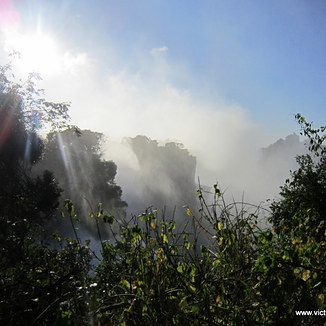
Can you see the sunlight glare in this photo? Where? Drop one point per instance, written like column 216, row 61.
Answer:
column 37, row 53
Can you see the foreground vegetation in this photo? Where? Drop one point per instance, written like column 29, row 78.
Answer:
column 223, row 266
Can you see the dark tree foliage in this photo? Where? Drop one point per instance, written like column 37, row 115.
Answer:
column 295, row 259
column 22, row 113
column 34, row 280
column 35, row 198
column 17, row 146
column 85, row 177
column 302, row 207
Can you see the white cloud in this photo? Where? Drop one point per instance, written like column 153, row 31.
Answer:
column 73, row 61
column 159, row 50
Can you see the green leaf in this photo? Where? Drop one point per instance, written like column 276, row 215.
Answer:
column 108, row 219
column 164, row 238
column 125, row 283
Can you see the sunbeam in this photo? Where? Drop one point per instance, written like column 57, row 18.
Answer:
column 65, row 155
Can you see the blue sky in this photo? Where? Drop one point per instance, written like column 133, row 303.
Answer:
column 266, row 57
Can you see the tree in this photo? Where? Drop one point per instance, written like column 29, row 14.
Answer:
column 302, row 207
column 292, row 258
column 85, row 177
column 35, row 280
column 35, row 112
column 35, row 198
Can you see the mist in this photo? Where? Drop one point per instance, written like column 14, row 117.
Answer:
column 221, row 135
column 254, row 177
column 137, row 174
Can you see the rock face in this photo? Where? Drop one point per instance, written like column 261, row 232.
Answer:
column 284, row 149
column 166, row 176
column 281, row 155
column 277, row 160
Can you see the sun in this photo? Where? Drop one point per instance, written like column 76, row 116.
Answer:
column 37, row 53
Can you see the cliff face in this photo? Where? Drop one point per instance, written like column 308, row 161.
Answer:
column 276, row 162
column 281, row 155
column 166, row 173
column 284, row 149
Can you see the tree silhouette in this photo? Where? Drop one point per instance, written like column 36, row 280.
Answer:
column 85, row 177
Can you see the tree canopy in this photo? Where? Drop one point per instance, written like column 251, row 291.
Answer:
column 85, row 177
